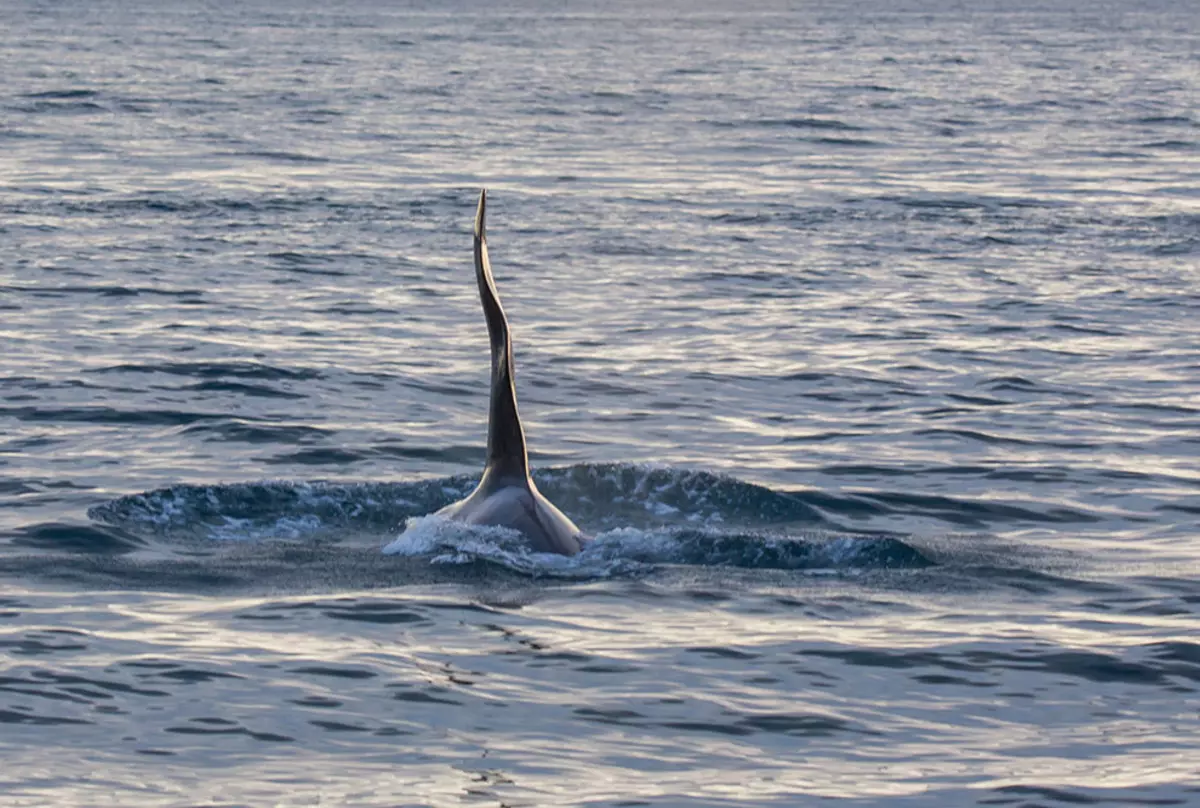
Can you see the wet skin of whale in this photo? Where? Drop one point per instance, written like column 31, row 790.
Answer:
column 506, row 495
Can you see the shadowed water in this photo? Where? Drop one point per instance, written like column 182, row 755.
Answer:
column 861, row 339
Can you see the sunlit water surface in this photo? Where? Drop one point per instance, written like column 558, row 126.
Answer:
column 862, row 337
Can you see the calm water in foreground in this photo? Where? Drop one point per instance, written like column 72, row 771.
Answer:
column 864, row 337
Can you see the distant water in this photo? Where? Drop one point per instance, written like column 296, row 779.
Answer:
column 865, row 338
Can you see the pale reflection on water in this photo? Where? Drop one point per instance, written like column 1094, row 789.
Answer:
column 598, row 692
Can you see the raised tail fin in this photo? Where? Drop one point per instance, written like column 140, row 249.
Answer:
column 506, row 438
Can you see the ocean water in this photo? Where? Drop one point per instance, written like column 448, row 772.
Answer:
column 864, row 338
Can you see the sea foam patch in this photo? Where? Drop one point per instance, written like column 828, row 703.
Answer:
column 629, row 550
column 445, row 541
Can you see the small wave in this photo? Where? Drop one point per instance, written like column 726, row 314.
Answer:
column 937, row 203
column 307, row 263
column 627, row 247
column 59, row 106
column 974, row 514
column 281, row 156
column 1166, row 120
column 72, row 538
column 252, row 390
column 741, row 218
column 326, row 456
column 107, row 415
column 1173, row 145
column 1148, row 665
column 61, row 94
column 1177, row 248
column 1002, row 440
column 843, row 141
column 248, row 432
column 216, row 370
column 809, row 123
column 102, row 290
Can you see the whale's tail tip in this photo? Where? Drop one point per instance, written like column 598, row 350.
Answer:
column 480, row 214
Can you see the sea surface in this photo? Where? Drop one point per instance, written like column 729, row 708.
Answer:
column 864, row 338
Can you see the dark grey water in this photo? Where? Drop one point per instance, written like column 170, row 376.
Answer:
column 863, row 337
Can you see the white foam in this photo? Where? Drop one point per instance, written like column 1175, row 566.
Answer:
column 449, row 542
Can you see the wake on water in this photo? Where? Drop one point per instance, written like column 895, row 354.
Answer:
column 641, row 518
